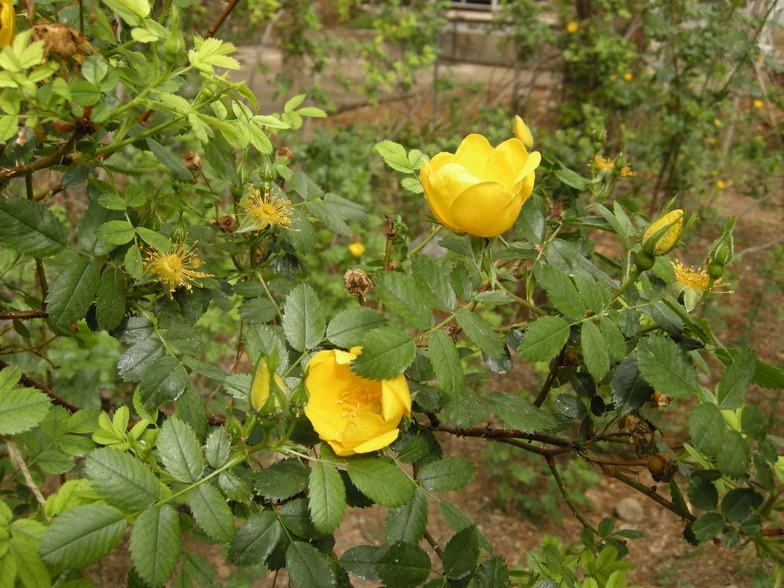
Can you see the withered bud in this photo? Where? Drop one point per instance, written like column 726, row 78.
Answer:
column 662, row 466
column 284, row 153
column 659, row 400
column 192, row 161
column 357, row 283
column 62, row 126
column 642, row 432
column 227, row 223
column 61, row 40
column 453, row 332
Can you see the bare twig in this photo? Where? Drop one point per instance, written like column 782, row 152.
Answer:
column 22, row 314
column 19, row 463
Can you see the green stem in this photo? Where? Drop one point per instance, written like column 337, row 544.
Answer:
column 630, row 280
column 565, row 494
column 433, row 232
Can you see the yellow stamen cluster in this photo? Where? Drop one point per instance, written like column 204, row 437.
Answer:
column 690, row 278
column 265, row 210
column 176, row 268
column 600, row 162
column 695, row 284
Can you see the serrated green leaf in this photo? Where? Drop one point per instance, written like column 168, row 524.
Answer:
column 347, row 328
column 481, row 333
column 137, row 358
column 308, row 567
column 595, row 352
column 360, row 561
column 122, row 479
column 154, row 239
column 30, row 228
column 560, row 290
column 707, row 428
column 282, row 479
column 731, row 391
column 303, row 319
column 394, row 156
column 211, row 53
column 404, row 566
column 630, row 390
column 666, row 366
column 82, row 535
column 430, row 276
column 162, row 381
column 212, row 513
column 446, row 362
column 381, row 480
column 407, row 523
column 71, row 293
column 707, row 526
column 178, row 170
column 110, row 299
column 155, row 544
column 447, row 475
column 739, row 504
column 702, row 494
column 386, row 353
column 544, row 339
column 117, row 232
column 326, row 498
column 21, row 409
column 493, row 573
column 256, row 539
column 398, row 292
column 519, row 413
column 734, row 455
column 180, row 451
column 217, row 448
column 461, row 553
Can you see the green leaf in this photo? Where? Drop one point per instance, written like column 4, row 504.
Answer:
column 447, row 474
column 519, row 413
column 122, row 479
column 446, row 362
column 30, row 228
column 21, row 409
column 666, row 366
column 360, row 561
column 210, row 53
column 386, row 352
column 707, row 526
column 82, row 535
column 155, row 544
column 110, row 300
column 218, row 447
column 258, row 310
column 394, row 156
column 754, row 422
column 381, row 480
column 175, row 165
column 256, row 539
column 560, row 290
column 707, row 428
column 180, row 450
column 162, row 381
column 630, row 391
column 154, row 239
column 137, row 358
column 407, row 523
column 117, row 232
column 71, row 293
column 734, row 455
column 702, row 494
column 303, row 319
column 133, row 263
column 398, row 292
column 461, row 553
column 404, row 566
column 731, row 391
column 481, row 333
column 308, row 567
column 595, row 352
column 211, row 512
column 282, row 479
column 430, row 276
column 32, row 571
column 544, row 339
column 493, row 573
column 327, row 497
column 740, row 503
column 347, row 328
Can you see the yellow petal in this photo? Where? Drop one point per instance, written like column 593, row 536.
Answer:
column 260, row 388
column 474, row 153
column 443, row 188
column 505, row 163
column 395, row 399
column 7, row 22
column 522, row 132
column 378, row 443
column 530, row 164
column 439, row 161
column 364, row 429
column 486, row 210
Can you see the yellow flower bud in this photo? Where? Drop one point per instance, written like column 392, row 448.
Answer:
column 663, row 234
column 628, row 76
column 351, row 413
column 522, row 132
column 720, row 185
column 758, row 104
column 7, row 23
column 356, row 249
column 572, row 27
column 479, row 189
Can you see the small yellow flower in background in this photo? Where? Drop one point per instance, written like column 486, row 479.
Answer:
column 351, row 413
column 600, row 162
column 663, row 234
column 356, row 249
column 714, row 172
column 694, row 284
column 572, row 27
column 523, row 133
column 7, row 22
column 613, row 77
column 759, row 138
column 265, row 210
column 175, row 269
column 713, row 141
column 717, row 122
column 628, row 77
column 480, row 189
column 627, row 171
column 760, row 57
column 720, row 185
column 758, row 104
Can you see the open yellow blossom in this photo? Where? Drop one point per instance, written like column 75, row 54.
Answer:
column 356, row 249
column 351, row 413
column 176, row 268
column 480, row 189
column 600, row 162
column 694, row 284
column 265, row 210
column 720, row 185
column 7, row 22
column 628, row 76
column 572, row 27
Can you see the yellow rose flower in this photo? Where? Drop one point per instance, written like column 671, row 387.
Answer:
column 351, row 413
column 480, row 189
column 356, row 249
column 7, row 22
column 663, row 234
